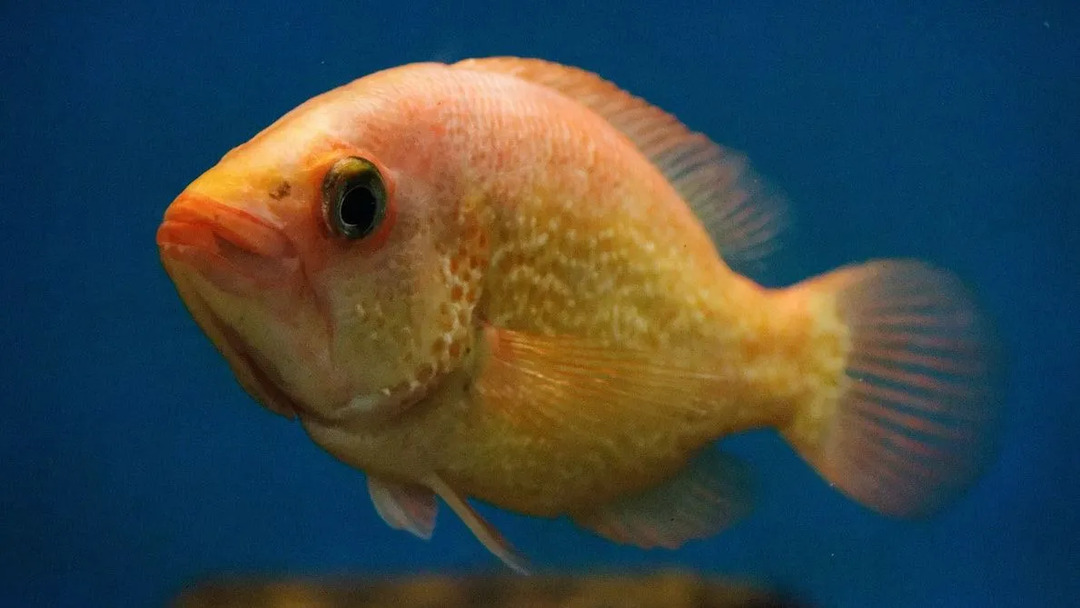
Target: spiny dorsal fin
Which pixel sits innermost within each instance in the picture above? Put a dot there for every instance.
(742, 214)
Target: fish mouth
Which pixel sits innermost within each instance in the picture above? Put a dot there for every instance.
(236, 250)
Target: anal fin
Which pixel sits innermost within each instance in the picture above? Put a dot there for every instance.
(710, 494)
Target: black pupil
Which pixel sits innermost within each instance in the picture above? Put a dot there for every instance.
(358, 208)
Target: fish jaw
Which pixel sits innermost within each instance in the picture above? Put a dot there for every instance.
(237, 250)
(249, 368)
(228, 263)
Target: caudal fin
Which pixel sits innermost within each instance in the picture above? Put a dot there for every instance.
(918, 407)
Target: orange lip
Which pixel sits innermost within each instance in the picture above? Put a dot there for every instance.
(234, 249)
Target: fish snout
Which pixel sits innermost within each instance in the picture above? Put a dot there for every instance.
(232, 247)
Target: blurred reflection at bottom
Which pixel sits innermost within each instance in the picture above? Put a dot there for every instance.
(666, 589)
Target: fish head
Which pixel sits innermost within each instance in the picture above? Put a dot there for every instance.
(338, 278)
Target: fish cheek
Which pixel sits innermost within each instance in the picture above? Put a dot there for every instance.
(379, 309)
(403, 315)
(410, 331)
(372, 332)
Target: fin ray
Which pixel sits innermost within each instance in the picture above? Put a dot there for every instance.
(404, 506)
(918, 414)
(488, 536)
(564, 384)
(710, 494)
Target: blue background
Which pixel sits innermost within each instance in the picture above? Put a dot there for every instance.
(131, 463)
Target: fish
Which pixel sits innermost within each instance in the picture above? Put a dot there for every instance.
(508, 281)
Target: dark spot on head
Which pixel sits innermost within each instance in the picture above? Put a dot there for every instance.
(281, 191)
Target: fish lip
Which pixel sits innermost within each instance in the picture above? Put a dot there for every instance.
(231, 247)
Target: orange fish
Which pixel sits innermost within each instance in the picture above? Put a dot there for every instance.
(510, 281)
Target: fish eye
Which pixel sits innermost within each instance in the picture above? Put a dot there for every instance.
(354, 198)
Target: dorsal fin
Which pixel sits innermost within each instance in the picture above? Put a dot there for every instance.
(742, 214)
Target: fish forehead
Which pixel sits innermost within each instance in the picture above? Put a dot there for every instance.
(476, 120)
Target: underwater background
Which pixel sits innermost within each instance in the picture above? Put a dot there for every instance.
(132, 465)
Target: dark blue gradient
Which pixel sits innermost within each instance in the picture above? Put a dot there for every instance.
(132, 464)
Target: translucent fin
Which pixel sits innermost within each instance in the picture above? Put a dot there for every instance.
(740, 211)
(492, 540)
(710, 494)
(570, 386)
(917, 416)
(404, 506)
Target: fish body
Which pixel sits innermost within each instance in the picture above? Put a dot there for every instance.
(509, 280)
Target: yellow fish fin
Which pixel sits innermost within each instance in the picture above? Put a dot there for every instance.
(565, 385)
(404, 506)
(919, 408)
(708, 495)
(492, 540)
(742, 213)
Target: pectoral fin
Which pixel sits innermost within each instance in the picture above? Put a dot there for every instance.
(404, 506)
(710, 494)
(559, 385)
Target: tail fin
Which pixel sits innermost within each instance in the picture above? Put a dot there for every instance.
(917, 412)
